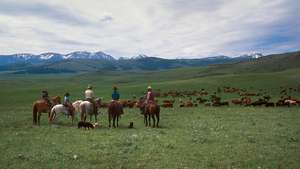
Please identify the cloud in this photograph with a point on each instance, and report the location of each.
(56, 13)
(106, 18)
(169, 28)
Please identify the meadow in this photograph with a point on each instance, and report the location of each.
(199, 137)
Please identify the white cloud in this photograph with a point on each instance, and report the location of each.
(169, 28)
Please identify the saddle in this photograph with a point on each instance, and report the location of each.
(69, 107)
(48, 102)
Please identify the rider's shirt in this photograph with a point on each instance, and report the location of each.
(115, 95)
(44, 95)
(66, 99)
(150, 96)
(89, 94)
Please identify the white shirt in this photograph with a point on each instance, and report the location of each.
(89, 94)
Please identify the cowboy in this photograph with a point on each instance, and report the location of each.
(67, 102)
(150, 95)
(115, 94)
(45, 97)
(89, 96)
(149, 98)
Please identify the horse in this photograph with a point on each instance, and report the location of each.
(115, 109)
(87, 107)
(60, 108)
(149, 110)
(76, 106)
(42, 106)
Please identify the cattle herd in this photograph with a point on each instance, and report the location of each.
(238, 96)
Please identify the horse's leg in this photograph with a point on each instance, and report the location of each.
(84, 115)
(117, 120)
(114, 119)
(39, 117)
(81, 116)
(145, 120)
(96, 120)
(73, 116)
(53, 116)
(90, 118)
(109, 120)
(157, 118)
(34, 116)
(149, 120)
(153, 118)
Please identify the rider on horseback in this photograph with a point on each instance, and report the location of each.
(89, 96)
(45, 97)
(115, 98)
(67, 103)
(149, 98)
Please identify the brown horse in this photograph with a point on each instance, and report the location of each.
(149, 110)
(115, 109)
(42, 106)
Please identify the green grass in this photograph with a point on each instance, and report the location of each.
(201, 137)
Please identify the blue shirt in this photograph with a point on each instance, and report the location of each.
(66, 99)
(115, 95)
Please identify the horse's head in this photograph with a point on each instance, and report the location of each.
(72, 110)
(56, 100)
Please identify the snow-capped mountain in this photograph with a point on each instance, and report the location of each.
(52, 57)
(252, 55)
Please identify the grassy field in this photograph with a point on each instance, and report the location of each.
(201, 137)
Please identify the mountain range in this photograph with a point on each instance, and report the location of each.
(52, 57)
(80, 61)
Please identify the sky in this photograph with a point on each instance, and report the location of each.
(163, 28)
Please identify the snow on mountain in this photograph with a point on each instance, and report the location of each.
(252, 55)
(140, 56)
(88, 55)
(25, 56)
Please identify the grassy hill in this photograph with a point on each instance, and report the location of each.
(270, 63)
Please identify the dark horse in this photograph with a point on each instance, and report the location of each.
(42, 106)
(149, 110)
(115, 109)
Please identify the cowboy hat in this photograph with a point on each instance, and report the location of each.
(89, 87)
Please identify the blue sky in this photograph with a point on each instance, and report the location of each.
(164, 28)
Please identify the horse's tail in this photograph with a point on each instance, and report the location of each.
(34, 113)
(52, 113)
(82, 111)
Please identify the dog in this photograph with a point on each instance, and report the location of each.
(96, 125)
(130, 125)
(86, 125)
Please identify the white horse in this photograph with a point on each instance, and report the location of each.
(76, 106)
(62, 110)
(87, 108)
